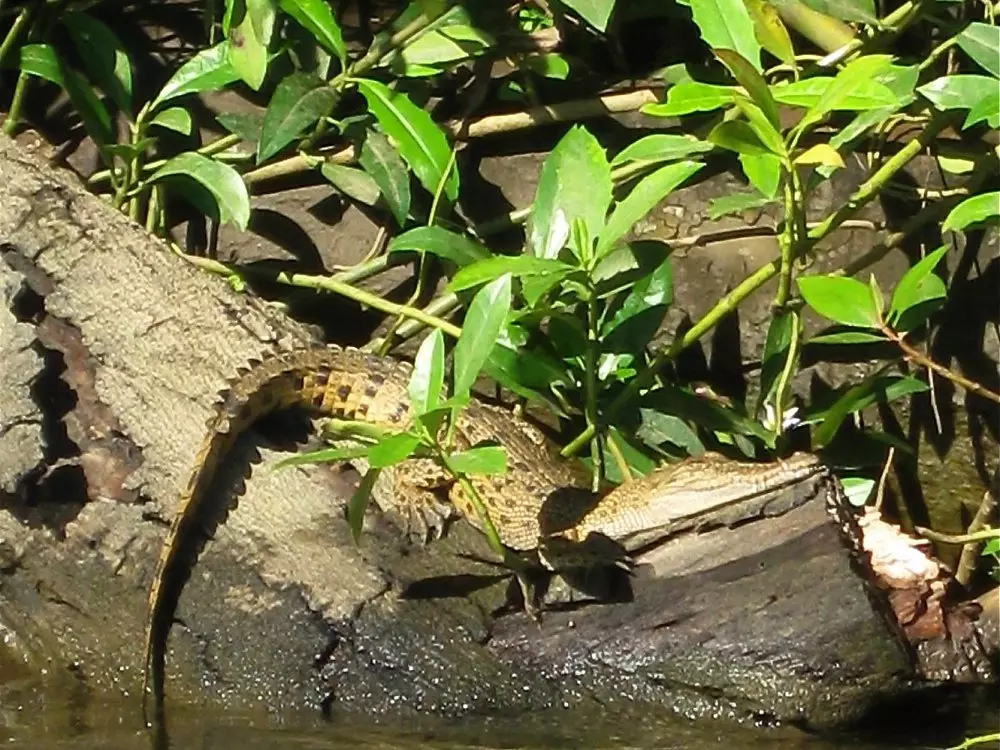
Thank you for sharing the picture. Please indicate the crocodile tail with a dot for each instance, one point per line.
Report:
(330, 381)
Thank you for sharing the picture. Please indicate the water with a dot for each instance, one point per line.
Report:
(95, 725)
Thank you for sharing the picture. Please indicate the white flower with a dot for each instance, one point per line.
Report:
(788, 418)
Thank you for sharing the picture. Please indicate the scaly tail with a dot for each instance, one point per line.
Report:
(330, 381)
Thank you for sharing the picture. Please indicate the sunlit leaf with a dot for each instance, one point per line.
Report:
(972, 211)
(422, 143)
(316, 16)
(821, 153)
(438, 241)
(726, 24)
(427, 381)
(383, 163)
(224, 183)
(174, 118)
(249, 38)
(594, 12)
(981, 42)
(842, 300)
(209, 70)
(484, 459)
(958, 91)
(690, 96)
(480, 331)
(918, 285)
(518, 266)
(649, 191)
(353, 182)
(662, 147)
(575, 184)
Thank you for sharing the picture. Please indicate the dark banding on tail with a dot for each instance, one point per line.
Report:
(331, 381)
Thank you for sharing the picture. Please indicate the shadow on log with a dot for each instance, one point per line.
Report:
(775, 620)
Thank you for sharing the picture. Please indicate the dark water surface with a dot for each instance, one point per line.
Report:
(87, 725)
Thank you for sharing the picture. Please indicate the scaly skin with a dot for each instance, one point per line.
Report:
(541, 508)
(351, 384)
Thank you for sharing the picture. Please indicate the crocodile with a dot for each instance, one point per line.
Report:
(542, 507)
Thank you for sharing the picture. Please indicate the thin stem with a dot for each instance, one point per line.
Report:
(13, 33)
(207, 150)
(919, 358)
(16, 102)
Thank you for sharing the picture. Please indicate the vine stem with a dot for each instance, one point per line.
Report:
(337, 286)
(917, 357)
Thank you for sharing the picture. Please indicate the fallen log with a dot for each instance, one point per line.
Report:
(113, 350)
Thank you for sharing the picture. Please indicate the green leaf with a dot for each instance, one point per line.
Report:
(662, 147)
(865, 95)
(981, 42)
(103, 55)
(246, 125)
(642, 312)
(222, 181)
(822, 154)
(753, 82)
(883, 388)
(857, 490)
(324, 456)
(760, 125)
(846, 10)
(422, 143)
(42, 61)
(843, 300)
(657, 428)
(770, 31)
(575, 184)
(521, 373)
(480, 332)
(209, 70)
(690, 96)
(641, 200)
(484, 459)
(359, 501)
(972, 211)
(638, 462)
(427, 380)
(848, 337)
(958, 91)
(316, 17)
(918, 285)
(726, 24)
(551, 66)
(594, 12)
(734, 203)
(298, 101)
(383, 163)
(432, 50)
(738, 136)
(763, 171)
(174, 118)
(856, 75)
(353, 182)
(249, 34)
(986, 109)
(516, 265)
(774, 358)
(459, 249)
(392, 450)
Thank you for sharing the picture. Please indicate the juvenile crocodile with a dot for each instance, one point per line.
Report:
(541, 506)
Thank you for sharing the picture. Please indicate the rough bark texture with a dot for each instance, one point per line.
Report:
(113, 350)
